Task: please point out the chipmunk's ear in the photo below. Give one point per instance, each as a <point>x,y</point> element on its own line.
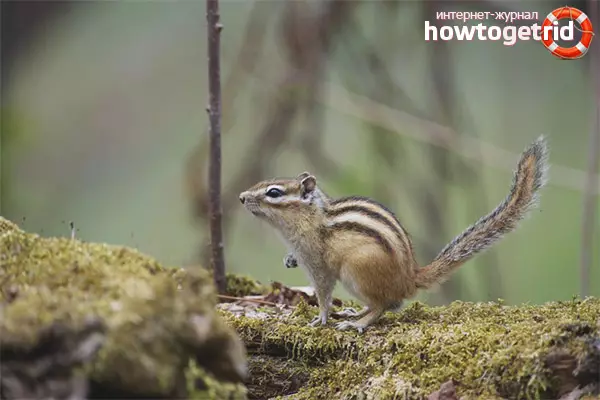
<point>309,183</point>
<point>303,175</point>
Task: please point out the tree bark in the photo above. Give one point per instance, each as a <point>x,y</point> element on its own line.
<point>214,169</point>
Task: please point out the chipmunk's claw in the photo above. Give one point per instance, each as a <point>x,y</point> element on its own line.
<point>345,325</point>
<point>348,312</point>
<point>318,320</point>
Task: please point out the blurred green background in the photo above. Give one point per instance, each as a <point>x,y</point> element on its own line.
<point>104,124</point>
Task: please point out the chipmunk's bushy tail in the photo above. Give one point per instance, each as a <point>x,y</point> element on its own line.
<point>528,179</point>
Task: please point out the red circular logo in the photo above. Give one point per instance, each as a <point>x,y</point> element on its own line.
<point>573,14</point>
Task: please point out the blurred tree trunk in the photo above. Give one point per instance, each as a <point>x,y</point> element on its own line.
<point>20,23</point>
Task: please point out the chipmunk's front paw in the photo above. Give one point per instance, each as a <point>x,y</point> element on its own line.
<point>345,325</point>
<point>290,261</point>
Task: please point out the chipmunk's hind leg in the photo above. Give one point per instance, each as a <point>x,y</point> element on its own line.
<point>372,315</point>
<point>350,312</point>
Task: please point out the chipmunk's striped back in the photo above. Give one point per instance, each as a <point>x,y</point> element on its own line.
<point>370,218</point>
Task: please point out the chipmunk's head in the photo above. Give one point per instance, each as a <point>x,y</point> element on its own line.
<point>281,201</point>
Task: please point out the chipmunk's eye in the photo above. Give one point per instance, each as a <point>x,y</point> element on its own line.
<point>274,192</point>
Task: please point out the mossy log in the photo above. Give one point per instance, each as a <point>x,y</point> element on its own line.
<point>85,320</point>
<point>469,350</point>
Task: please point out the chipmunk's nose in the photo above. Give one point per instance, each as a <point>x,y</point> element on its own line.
<point>243,198</point>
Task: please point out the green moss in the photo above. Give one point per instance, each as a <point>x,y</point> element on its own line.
<point>158,318</point>
<point>242,285</point>
<point>6,225</point>
<point>203,386</point>
<point>302,310</point>
<point>489,349</point>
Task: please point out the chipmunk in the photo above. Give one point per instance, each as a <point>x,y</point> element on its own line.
<point>361,243</point>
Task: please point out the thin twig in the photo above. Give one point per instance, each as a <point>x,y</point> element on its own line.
<point>251,300</point>
<point>591,188</point>
<point>214,169</point>
<point>244,64</point>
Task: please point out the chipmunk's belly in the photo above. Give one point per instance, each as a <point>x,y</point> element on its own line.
<point>352,288</point>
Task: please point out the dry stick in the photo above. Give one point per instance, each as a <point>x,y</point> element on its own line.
<point>214,168</point>
<point>251,300</point>
<point>244,64</point>
<point>589,196</point>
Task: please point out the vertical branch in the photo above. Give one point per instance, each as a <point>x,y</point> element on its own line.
<point>214,168</point>
<point>589,202</point>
